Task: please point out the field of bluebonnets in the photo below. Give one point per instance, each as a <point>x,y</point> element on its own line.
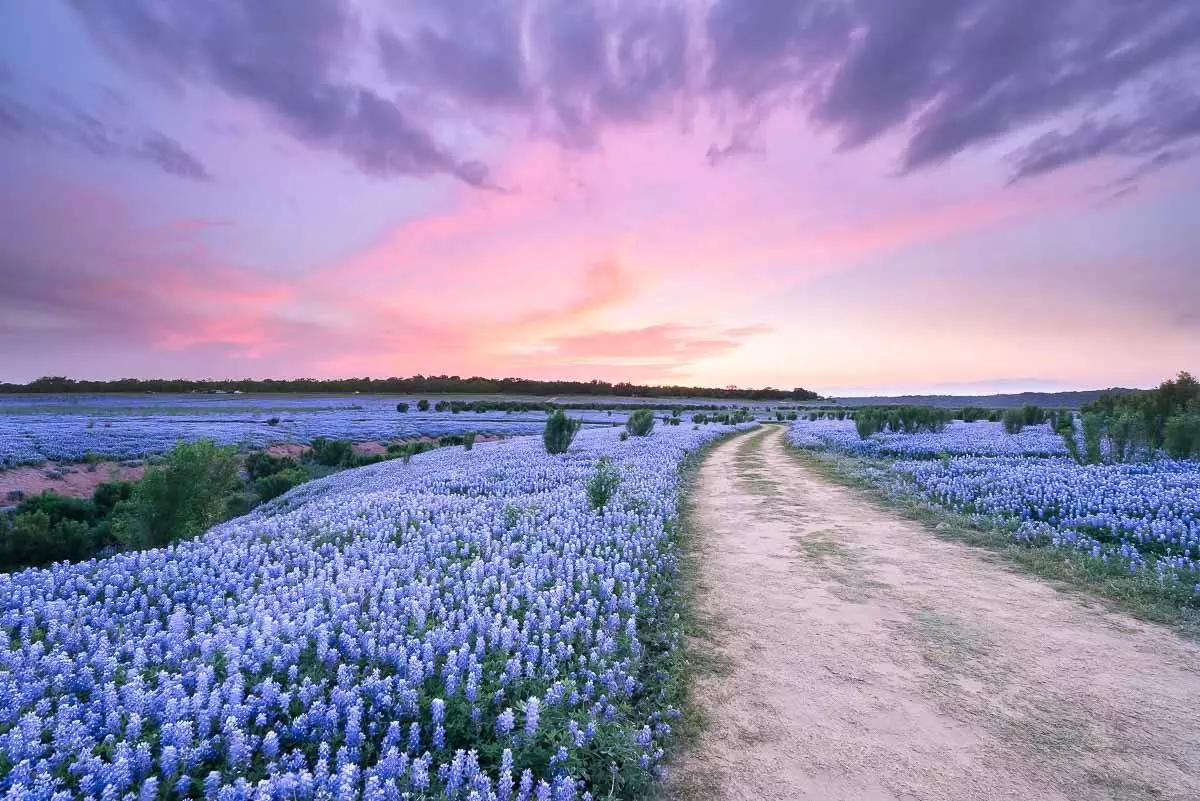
<point>471,624</point>
<point>34,429</point>
<point>1141,512</point>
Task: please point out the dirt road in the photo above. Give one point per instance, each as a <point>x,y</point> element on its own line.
<point>853,655</point>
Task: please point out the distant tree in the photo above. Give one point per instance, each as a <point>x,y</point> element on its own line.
<point>402,407</point>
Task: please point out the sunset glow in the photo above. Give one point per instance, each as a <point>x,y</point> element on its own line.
<point>696,193</point>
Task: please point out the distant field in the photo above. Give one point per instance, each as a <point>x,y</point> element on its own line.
<point>37,428</point>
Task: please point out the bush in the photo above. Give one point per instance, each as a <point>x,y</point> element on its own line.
<point>1093,432</point>
<point>180,498</point>
<point>1181,435</point>
<point>272,421</point>
<point>560,431</point>
<point>332,452</point>
<point>640,423</point>
<point>1033,414</point>
<point>699,419</point>
<point>237,505</point>
<point>402,407</point>
<point>422,405</point>
<point>624,435</point>
<point>972,414</point>
<point>468,440</point>
<point>107,496</point>
<point>35,538</point>
<point>603,484</point>
<point>260,464</point>
<point>275,484</point>
<point>1014,420</point>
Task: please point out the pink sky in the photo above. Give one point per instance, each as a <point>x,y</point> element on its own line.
<point>170,217</point>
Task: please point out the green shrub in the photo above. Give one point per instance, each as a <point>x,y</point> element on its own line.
<point>468,440</point>
<point>180,498</point>
<point>423,405</point>
<point>1093,433</point>
<point>260,464</point>
<point>972,414</point>
<point>1033,414</point>
<point>272,421</point>
<point>275,484</point>
<point>59,507</point>
<point>699,419</point>
<point>106,496</point>
<point>239,504</point>
<point>559,432</point>
<point>624,435</point>
<point>603,484</point>
<point>1181,435</point>
<point>640,423</point>
<point>1072,444</point>
<point>1125,435</point>
<point>402,407</point>
<point>1014,420</point>
<point>332,452</point>
<point>34,538</point>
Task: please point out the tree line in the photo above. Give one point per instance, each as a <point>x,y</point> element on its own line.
<point>415,385</point>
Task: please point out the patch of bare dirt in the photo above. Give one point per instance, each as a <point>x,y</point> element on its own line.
<point>864,659</point>
<point>78,483</point>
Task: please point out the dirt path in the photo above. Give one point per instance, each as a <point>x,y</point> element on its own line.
<point>852,655</point>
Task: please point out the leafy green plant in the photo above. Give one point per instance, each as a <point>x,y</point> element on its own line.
<point>1093,434</point>
<point>468,440</point>
<point>603,484</point>
<point>402,407</point>
<point>423,405</point>
<point>260,464</point>
<point>332,452</point>
<point>1181,435</point>
<point>1013,420</point>
<point>36,539</point>
<point>276,484</point>
<point>560,431</point>
<point>180,498</point>
<point>640,423</point>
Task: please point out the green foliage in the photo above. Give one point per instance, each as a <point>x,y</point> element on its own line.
<point>561,430</point>
<point>1093,434</point>
<point>36,538</point>
<point>1072,444</point>
<point>699,418</point>
<point>423,405</point>
<point>275,484</point>
<point>59,507</point>
<point>238,504</point>
<point>108,495</point>
<point>603,484</point>
<point>261,464</point>
<point>640,423</point>
<point>180,498</point>
<point>1181,435</point>
<point>791,415</point>
<point>1155,408</point>
<point>402,407</point>
<point>972,414</point>
<point>468,440</point>
<point>332,452</point>
<point>1033,414</point>
<point>1014,421</point>
<point>899,419</point>
<point>1125,434</point>
<point>272,421</point>
<point>624,435</point>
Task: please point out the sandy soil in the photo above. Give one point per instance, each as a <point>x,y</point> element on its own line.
<point>849,654</point>
<point>78,484</point>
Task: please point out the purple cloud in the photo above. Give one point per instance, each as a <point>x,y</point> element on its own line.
<point>942,76</point>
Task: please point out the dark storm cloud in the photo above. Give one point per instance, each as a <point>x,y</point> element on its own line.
<point>949,75</point>
<point>64,124</point>
<point>1081,77</point>
<point>286,57</point>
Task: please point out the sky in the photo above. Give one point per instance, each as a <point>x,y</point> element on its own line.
<point>853,196</point>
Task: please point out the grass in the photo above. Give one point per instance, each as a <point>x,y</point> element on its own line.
<point>694,656</point>
<point>1092,579</point>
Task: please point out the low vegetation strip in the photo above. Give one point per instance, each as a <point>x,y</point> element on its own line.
<point>492,623</point>
<point>1122,488</point>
